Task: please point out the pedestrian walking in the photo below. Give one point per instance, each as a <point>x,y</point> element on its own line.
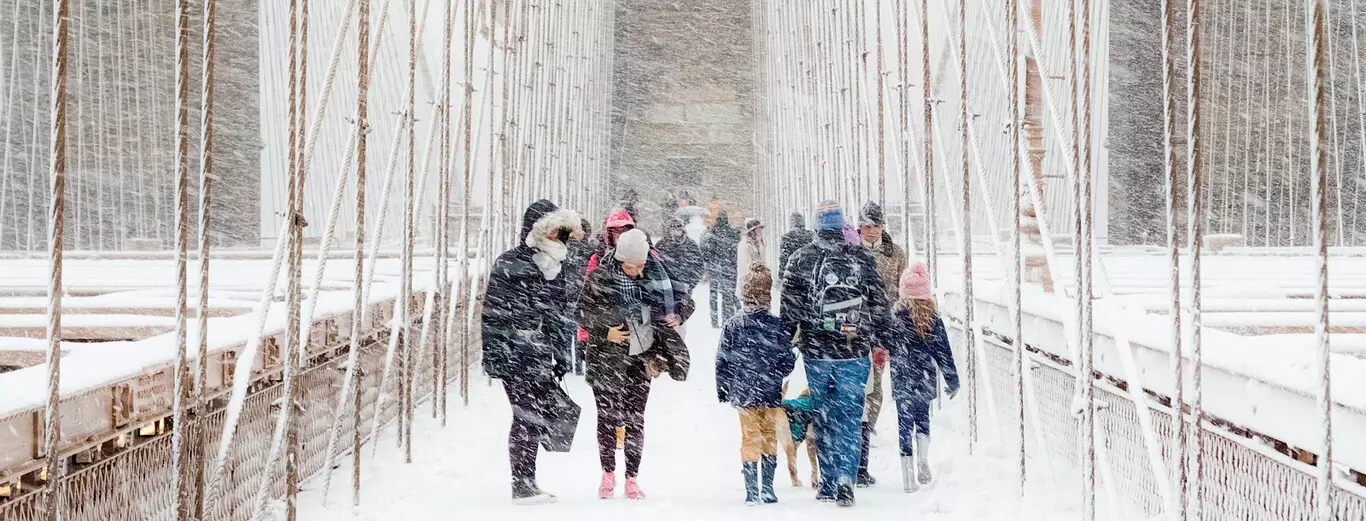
<point>752,250</point>
<point>835,305</point>
<point>919,351</point>
<point>797,236</point>
<point>527,328</point>
<point>754,357</point>
<point>891,261</point>
<point>682,257</point>
<point>719,249</point>
<point>626,321</point>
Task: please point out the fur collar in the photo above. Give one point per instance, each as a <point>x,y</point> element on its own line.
<point>550,253</point>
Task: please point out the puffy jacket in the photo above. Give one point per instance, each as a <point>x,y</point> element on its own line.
<point>526,321</point>
<point>754,357</point>
<point>798,308</point>
<point>915,360</point>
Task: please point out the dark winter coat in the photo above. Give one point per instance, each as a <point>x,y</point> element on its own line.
<point>682,258</point>
<point>915,360</point>
<point>754,357</point>
<point>795,238</point>
<point>611,365</point>
<point>576,267</point>
<point>720,248</point>
<point>891,261</point>
<point>526,322</point>
<point>799,307</point>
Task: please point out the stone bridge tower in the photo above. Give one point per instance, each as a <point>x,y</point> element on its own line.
<point>682,122</point>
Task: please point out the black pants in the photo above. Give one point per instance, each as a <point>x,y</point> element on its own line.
<point>722,300</point>
<point>622,406</point>
<point>525,435</point>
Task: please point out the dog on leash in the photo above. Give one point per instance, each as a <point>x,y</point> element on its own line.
<point>794,428</point>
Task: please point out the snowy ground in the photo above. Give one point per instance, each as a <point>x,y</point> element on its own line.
<point>691,468</point>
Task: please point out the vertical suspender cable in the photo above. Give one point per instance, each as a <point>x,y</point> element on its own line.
<point>206,178</point>
<point>294,229</point>
<point>1016,317</point>
<point>931,233</point>
<point>442,214</point>
<point>56,221</point>
<point>409,233</point>
<point>1174,254</point>
<point>1323,506</point>
<point>903,30</point>
<point>181,397</point>
<point>463,272</point>
<point>881,116</point>
<point>358,310</point>
<point>1195,197</point>
<point>294,340</point>
<point>1083,259</point>
<point>969,302</point>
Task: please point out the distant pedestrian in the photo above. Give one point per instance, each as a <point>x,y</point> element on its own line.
<point>834,303</point>
<point>719,249</point>
<point>919,351</point>
<point>797,236</point>
<point>682,257</point>
<point>751,251</point>
<point>754,357</point>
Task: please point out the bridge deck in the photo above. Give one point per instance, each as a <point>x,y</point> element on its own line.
<point>691,468</point>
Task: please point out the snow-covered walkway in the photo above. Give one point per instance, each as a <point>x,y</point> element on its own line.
<point>691,468</point>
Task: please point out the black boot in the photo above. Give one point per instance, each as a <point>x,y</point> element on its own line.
<point>865,479</point>
<point>769,467</point>
<point>751,474</point>
<point>844,495</point>
<point>526,492</point>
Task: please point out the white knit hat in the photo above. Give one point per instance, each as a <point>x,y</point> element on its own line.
<point>633,246</point>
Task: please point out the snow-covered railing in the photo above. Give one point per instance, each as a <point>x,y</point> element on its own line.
<point>1258,404</point>
<point>126,385</point>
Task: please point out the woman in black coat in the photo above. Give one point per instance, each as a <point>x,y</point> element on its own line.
<point>527,328</point>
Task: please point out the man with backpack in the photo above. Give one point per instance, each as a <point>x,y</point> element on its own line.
<point>835,307</point>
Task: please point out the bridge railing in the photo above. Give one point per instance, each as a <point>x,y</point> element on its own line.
<point>1249,473</point>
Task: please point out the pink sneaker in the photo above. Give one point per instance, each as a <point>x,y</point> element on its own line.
<point>633,490</point>
<point>608,486</point>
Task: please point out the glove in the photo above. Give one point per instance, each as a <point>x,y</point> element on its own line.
<point>880,356</point>
<point>560,368</point>
<point>952,390</point>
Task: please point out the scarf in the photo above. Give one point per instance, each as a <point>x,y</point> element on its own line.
<point>549,257</point>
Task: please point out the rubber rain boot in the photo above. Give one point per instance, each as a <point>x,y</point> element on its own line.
<point>751,474</point>
<point>922,456</point>
<point>908,474</point>
<point>769,464</point>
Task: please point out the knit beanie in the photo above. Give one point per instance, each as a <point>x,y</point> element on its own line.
<point>633,246</point>
<point>757,288</point>
<point>915,282</point>
<point>872,215</point>
<point>829,216</point>
<point>619,219</point>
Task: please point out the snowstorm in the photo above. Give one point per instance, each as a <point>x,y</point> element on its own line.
<point>297,260</point>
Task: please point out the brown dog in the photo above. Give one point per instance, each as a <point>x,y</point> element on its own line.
<point>790,446</point>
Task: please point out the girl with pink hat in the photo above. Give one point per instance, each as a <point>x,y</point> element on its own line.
<point>919,349</point>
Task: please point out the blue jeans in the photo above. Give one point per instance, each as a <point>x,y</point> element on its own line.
<point>912,417</point>
<point>837,397</point>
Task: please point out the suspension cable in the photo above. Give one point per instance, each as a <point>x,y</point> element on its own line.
<point>206,178</point>
<point>56,464</point>
<point>1323,506</point>
<point>181,396</point>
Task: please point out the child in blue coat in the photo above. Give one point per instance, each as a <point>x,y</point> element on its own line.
<point>754,357</point>
<point>919,350</point>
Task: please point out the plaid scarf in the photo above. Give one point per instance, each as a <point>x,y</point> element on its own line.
<point>632,296</point>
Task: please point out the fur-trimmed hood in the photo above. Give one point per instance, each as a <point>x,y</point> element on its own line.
<point>541,224</point>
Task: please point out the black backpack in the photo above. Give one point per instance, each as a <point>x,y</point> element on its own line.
<point>837,293</point>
